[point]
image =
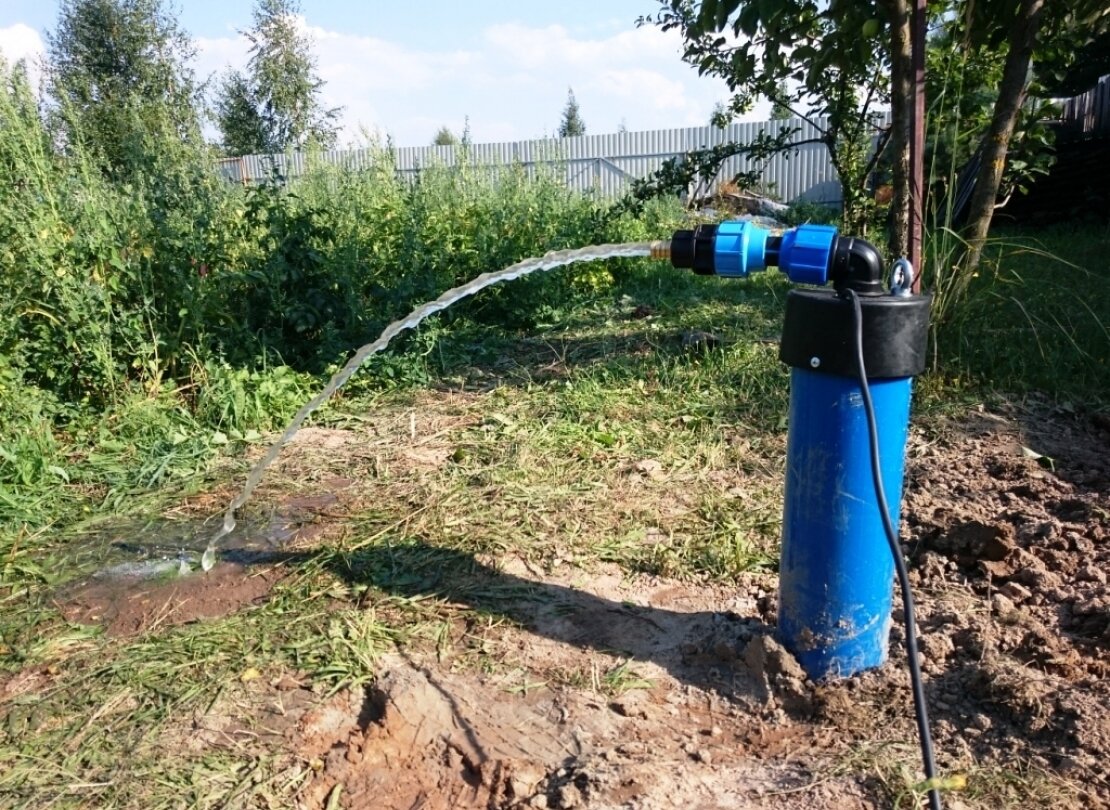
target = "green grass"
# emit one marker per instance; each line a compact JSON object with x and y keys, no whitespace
{"x":596,"y":439}
{"x":1037,"y":317}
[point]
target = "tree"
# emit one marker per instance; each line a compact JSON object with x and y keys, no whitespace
{"x":844,"y":58}
{"x":1075,"y":71}
{"x":239,"y":116}
{"x":1030,"y":31}
{"x":118,"y":73}
{"x":572,"y":123}
{"x":281,"y":86}
{"x":821,"y":62}
{"x":779,"y":111}
{"x":445,"y":137}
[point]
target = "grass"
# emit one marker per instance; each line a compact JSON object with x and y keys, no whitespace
{"x":599,"y":439}
{"x":1037,"y":317}
{"x":543,"y":467}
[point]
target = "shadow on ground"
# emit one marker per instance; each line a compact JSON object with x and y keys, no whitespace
{"x":708,"y":649}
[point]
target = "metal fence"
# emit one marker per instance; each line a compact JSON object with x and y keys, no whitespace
{"x":596,"y":164}
{"x":1089,"y":113}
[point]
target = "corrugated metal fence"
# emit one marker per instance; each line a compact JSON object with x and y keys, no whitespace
{"x":1089,"y":113}
{"x":600,"y":164}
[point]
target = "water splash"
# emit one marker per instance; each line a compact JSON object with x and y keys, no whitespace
{"x":550,"y":261}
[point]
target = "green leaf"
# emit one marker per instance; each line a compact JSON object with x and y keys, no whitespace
{"x":1041,"y":459}
{"x":749,"y":20}
{"x":707,"y":14}
{"x":58,"y":471}
{"x":724,"y":11}
{"x":605,"y":439}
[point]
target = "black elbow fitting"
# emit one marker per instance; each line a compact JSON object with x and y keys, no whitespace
{"x":856,"y":264}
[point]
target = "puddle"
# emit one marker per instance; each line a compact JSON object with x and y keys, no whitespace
{"x":131,"y":577}
{"x":129,"y":552}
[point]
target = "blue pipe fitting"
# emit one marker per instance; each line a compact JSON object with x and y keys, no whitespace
{"x":736,"y":249}
{"x":806,"y":252}
{"x":739,"y":249}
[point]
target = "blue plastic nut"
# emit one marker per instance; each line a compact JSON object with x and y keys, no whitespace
{"x":739,"y":249}
{"x":805,"y":252}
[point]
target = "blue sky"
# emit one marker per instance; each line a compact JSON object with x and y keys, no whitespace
{"x":405,"y":69}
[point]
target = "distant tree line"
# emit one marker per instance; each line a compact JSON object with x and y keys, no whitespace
{"x":119,"y":75}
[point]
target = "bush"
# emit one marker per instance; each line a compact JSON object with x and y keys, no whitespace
{"x":176,"y":307}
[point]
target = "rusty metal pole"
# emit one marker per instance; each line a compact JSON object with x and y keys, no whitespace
{"x":917,"y":145}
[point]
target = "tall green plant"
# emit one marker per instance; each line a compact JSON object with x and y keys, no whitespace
{"x":571,"y":123}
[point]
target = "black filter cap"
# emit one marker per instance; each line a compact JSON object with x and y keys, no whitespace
{"x":818,"y":333}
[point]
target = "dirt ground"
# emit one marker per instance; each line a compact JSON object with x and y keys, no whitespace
{"x":684,"y":699}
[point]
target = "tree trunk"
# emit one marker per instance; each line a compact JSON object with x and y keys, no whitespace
{"x":1011,"y":95}
{"x":901,"y":87}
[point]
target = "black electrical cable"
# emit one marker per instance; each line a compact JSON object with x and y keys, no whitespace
{"x":920,"y":710}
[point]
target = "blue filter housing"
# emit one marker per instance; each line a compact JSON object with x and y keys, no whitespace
{"x":836,"y":578}
{"x":837,"y":573}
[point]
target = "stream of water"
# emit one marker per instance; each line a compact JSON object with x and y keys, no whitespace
{"x":549,"y":261}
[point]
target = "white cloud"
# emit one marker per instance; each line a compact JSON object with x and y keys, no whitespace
{"x":20,"y":41}
{"x":511,"y":83}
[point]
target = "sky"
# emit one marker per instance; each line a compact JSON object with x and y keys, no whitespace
{"x":406,"y":69}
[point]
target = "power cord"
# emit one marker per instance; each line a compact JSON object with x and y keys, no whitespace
{"x":921,"y":712}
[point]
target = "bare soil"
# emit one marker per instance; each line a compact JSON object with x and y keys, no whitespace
{"x":633,"y":691}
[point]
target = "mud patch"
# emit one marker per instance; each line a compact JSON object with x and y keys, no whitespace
{"x":1011,"y":555}
{"x":148,"y":606}
{"x":142,"y":578}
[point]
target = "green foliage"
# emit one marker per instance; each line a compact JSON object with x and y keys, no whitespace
{"x":239,"y":117}
{"x":779,"y":110}
{"x":571,"y":123}
{"x":966,"y":59}
{"x":240,"y":401}
{"x":691,"y":174}
{"x":828,"y":60}
{"x":178,"y":311}
{"x":801,"y":212}
{"x":962,"y":82}
{"x":119,"y":71}
{"x":1035,"y":316}
{"x":445,"y":137}
{"x":1077,"y":69}
{"x":289,"y":299}
{"x":277,"y":106}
